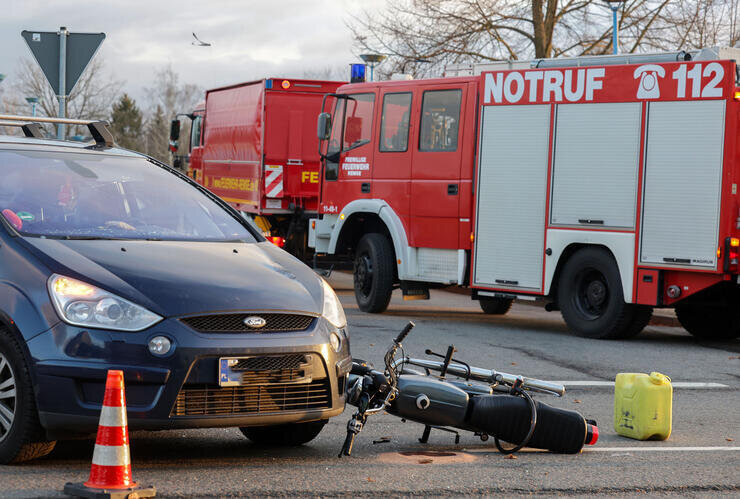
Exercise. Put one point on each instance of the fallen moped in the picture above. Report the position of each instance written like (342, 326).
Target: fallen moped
(463, 397)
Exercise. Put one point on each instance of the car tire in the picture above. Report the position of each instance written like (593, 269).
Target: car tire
(712, 314)
(591, 299)
(495, 306)
(285, 435)
(373, 273)
(21, 435)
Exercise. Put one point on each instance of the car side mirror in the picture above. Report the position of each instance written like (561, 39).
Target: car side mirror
(323, 128)
(174, 130)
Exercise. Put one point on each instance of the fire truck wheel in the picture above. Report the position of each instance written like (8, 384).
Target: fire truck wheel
(373, 275)
(716, 316)
(591, 300)
(495, 306)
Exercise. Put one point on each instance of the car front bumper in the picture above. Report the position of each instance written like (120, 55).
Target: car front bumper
(181, 389)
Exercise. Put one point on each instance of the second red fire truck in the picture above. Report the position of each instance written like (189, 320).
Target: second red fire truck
(604, 186)
(253, 144)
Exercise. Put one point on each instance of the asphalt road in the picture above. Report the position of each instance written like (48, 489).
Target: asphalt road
(701, 458)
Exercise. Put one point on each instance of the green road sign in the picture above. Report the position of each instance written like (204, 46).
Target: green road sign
(81, 48)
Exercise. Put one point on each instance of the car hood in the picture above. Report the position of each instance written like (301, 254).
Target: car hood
(173, 278)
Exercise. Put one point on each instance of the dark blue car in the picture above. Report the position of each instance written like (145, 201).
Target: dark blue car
(111, 260)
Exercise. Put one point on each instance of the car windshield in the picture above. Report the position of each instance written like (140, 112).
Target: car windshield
(99, 196)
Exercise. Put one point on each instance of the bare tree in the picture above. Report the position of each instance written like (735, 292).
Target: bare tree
(167, 98)
(170, 95)
(90, 99)
(327, 73)
(455, 31)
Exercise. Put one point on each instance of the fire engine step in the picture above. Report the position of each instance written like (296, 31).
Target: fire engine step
(414, 291)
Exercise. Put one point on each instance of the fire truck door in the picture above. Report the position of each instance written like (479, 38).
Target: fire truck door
(349, 153)
(435, 170)
(510, 197)
(392, 165)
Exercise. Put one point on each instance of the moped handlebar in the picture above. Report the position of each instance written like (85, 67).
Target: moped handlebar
(405, 332)
(487, 375)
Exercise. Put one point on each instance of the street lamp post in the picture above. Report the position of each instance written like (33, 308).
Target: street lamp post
(2, 77)
(614, 5)
(373, 60)
(33, 101)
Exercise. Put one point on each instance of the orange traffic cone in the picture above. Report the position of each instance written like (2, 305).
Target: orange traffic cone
(110, 473)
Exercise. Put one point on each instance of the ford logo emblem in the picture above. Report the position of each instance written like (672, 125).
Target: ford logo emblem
(255, 322)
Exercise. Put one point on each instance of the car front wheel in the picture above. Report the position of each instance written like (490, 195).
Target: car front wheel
(21, 435)
(285, 435)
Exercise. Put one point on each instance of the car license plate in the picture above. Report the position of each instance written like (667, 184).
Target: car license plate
(227, 377)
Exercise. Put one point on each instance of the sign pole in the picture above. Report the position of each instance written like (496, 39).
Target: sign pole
(62, 79)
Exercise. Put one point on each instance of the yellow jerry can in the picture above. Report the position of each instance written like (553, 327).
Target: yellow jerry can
(642, 405)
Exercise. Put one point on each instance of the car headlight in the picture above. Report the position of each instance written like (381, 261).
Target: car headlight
(333, 311)
(82, 304)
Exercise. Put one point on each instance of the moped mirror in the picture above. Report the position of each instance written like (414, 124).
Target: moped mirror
(323, 127)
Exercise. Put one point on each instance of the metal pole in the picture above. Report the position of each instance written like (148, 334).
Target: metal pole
(615, 28)
(62, 79)
(33, 109)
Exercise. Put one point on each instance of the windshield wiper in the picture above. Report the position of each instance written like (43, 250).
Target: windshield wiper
(88, 238)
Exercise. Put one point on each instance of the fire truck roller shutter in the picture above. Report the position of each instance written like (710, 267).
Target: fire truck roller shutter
(510, 213)
(683, 175)
(597, 154)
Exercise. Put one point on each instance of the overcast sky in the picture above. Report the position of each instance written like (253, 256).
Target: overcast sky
(250, 39)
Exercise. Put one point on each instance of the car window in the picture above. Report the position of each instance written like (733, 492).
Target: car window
(440, 120)
(83, 195)
(394, 125)
(358, 122)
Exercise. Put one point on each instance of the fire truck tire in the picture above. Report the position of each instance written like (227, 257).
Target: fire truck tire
(373, 273)
(718, 321)
(285, 435)
(495, 306)
(591, 299)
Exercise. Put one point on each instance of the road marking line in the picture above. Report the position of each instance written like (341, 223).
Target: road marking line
(624, 449)
(659, 449)
(675, 384)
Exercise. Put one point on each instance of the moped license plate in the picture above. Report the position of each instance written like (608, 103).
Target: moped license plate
(227, 377)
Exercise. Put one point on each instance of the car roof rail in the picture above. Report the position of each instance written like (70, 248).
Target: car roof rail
(31, 126)
(29, 129)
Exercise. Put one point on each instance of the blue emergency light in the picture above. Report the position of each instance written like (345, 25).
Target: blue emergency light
(357, 74)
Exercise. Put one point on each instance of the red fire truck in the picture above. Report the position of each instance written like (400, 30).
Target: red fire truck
(603, 186)
(254, 145)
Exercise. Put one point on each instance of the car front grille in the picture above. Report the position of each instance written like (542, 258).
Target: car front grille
(253, 399)
(275, 369)
(234, 323)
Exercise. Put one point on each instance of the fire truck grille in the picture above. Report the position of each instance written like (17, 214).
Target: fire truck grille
(241, 400)
(235, 323)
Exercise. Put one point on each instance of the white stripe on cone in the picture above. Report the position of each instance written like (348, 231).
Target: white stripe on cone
(111, 455)
(113, 416)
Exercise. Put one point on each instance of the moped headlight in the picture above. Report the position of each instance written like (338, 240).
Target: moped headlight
(333, 311)
(83, 304)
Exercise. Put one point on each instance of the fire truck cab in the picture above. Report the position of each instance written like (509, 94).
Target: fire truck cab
(604, 186)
